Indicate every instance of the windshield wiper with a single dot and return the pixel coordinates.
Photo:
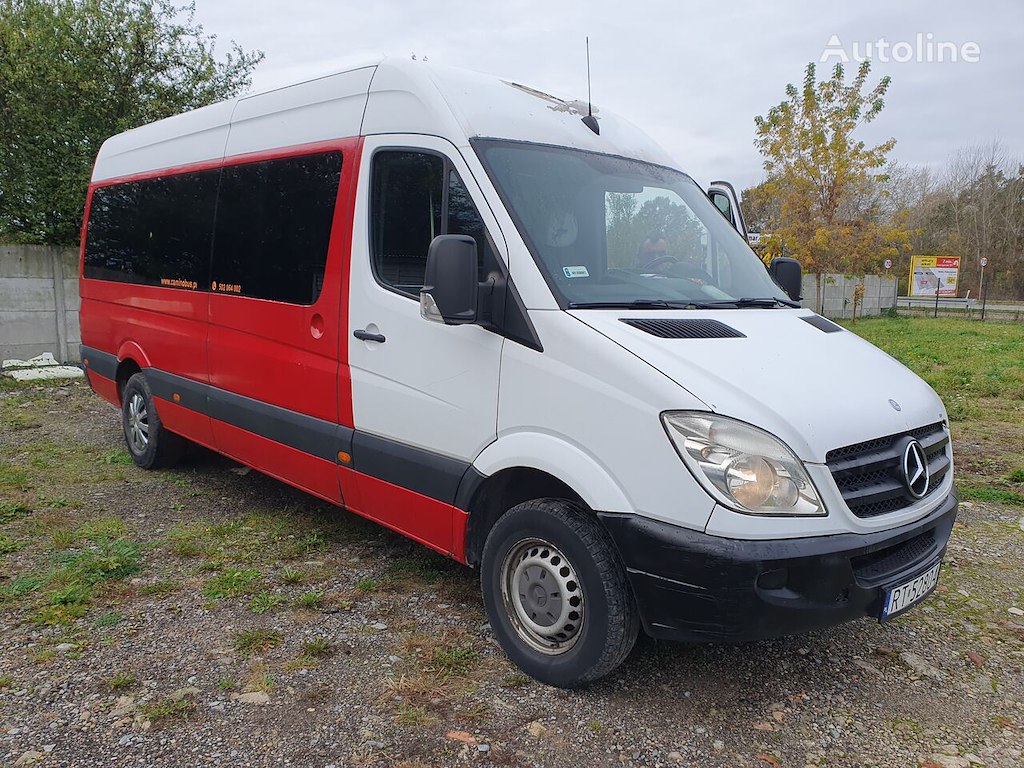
(768, 303)
(639, 303)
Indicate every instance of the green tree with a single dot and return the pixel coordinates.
(72, 73)
(828, 184)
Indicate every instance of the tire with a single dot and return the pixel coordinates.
(151, 446)
(571, 617)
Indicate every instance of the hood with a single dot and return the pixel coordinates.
(813, 384)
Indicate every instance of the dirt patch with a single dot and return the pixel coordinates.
(208, 615)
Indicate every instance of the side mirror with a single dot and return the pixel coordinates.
(788, 274)
(450, 288)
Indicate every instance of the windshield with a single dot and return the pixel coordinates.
(610, 231)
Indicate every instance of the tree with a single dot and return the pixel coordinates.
(72, 73)
(828, 184)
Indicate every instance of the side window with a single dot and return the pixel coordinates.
(153, 232)
(412, 204)
(273, 227)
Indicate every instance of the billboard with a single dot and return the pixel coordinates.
(930, 272)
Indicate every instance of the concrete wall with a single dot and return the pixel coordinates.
(39, 302)
(837, 290)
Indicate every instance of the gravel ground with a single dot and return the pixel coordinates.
(257, 626)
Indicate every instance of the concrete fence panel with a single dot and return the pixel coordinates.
(39, 302)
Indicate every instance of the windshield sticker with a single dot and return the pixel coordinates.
(576, 271)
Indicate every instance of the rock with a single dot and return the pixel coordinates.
(65, 647)
(974, 759)
(254, 697)
(1015, 611)
(48, 748)
(921, 666)
(183, 693)
(380, 626)
(764, 727)
(536, 729)
(675, 757)
(123, 707)
(950, 761)
(976, 659)
(718, 745)
(29, 757)
(868, 667)
(483, 747)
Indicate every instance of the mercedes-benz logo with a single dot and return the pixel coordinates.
(915, 469)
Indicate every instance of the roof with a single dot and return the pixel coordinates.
(389, 96)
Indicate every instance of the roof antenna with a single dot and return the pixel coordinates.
(590, 121)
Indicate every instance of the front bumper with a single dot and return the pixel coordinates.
(692, 586)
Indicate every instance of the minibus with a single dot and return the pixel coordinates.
(506, 325)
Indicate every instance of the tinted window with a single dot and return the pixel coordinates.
(273, 227)
(154, 232)
(412, 204)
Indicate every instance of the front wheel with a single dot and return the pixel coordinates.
(556, 593)
(149, 443)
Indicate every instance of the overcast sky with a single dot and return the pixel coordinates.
(693, 75)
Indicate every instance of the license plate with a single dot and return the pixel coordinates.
(912, 592)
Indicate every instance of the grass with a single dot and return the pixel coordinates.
(977, 370)
(66, 588)
(232, 583)
(120, 681)
(310, 600)
(109, 619)
(318, 648)
(264, 601)
(168, 709)
(250, 642)
(453, 660)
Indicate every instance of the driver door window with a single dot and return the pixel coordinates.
(416, 197)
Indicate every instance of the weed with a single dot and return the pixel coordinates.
(225, 684)
(9, 544)
(168, 709)
(1017, 476)
(231, 583)
(412, 716)
(253, 641)
(163, 587)
(259, 678)
(290, 575)
(6, 681)
(120, 681)
(515, 680)
(318, 648)
(117, 456)
(453, 660)
(109, 619)
(310, 600)
(264, 602)
(366, 585)
(12, 510)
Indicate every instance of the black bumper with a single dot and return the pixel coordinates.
(692, 586)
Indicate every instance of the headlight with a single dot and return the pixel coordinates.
(745, 468)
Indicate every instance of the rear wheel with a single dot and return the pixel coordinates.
(556, 593)
(151, 446)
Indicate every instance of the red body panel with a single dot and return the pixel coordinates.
(291, 356)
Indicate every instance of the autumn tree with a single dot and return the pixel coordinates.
(72, 73)
(827, 182)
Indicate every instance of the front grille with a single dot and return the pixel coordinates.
(869, 474)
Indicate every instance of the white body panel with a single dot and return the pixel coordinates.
(428, 385)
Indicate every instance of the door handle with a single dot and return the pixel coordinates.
(367, 336)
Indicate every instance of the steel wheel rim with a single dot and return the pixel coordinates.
(543, 597)
(138, 423)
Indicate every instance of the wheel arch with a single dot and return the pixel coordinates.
(528, 466)
(130, 360)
